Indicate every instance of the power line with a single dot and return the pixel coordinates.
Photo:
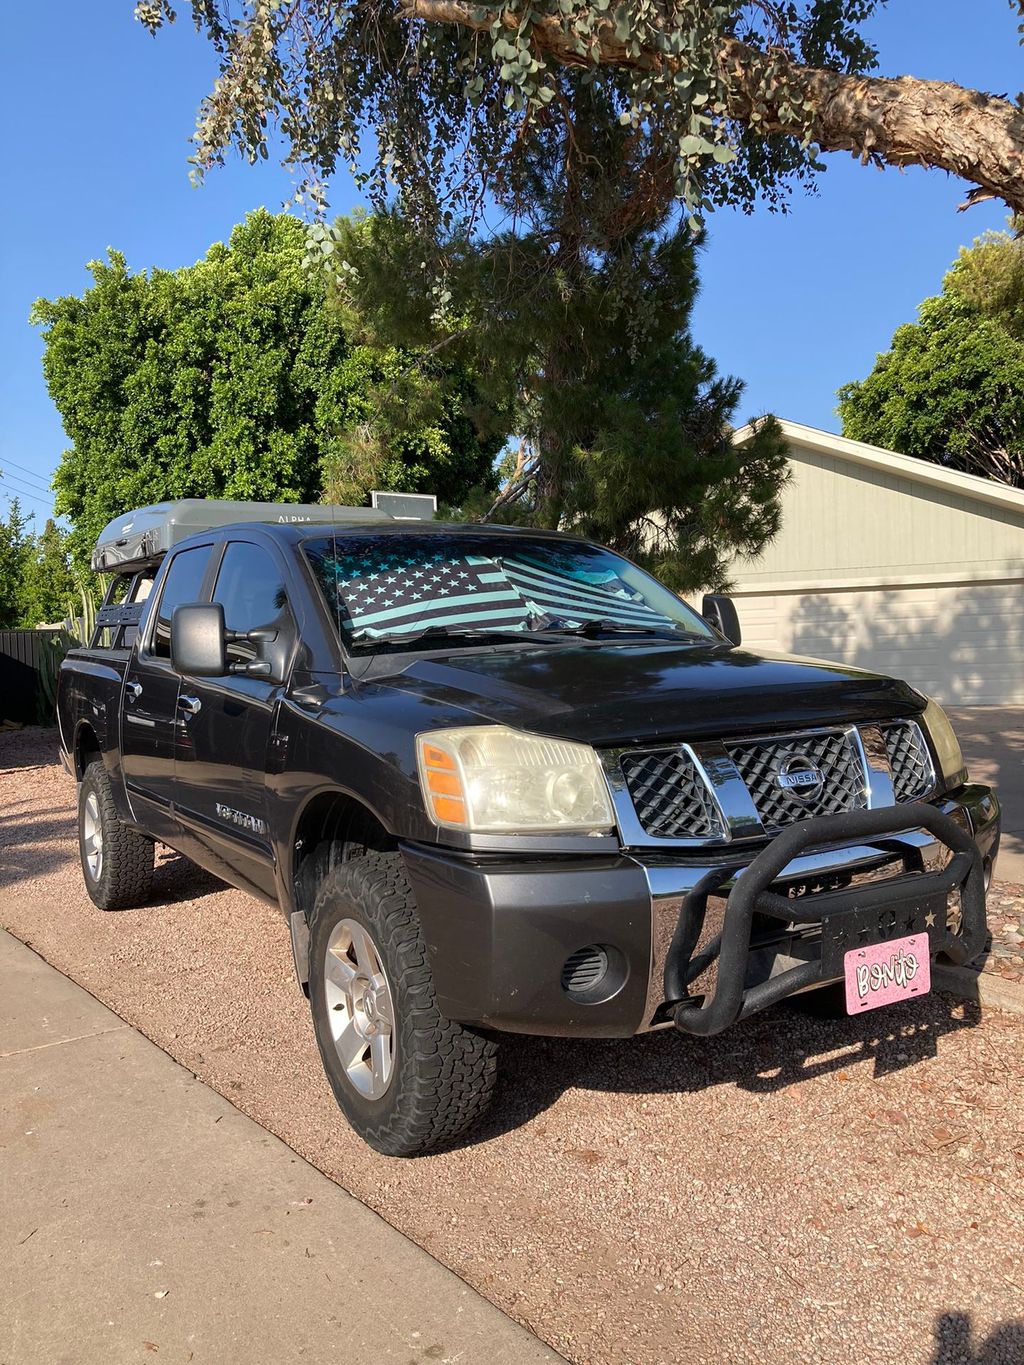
(26, 491)
(29, 494)
(17, 479)
(4, 462)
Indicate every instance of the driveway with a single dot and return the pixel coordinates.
(795, 1190)
(992, 738)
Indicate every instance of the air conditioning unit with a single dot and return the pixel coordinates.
(406, 506)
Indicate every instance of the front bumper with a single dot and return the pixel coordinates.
(700, 941)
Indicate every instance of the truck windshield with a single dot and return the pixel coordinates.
(393, 589)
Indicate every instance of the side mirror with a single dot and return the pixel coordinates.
(198, 641)
(720, 611)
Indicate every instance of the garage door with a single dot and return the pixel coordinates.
(961, 643)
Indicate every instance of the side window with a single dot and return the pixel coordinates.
(250, 588)
(182, 584)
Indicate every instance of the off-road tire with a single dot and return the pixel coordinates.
(126, 867)
(443, 1073)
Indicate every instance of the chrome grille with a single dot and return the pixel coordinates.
(832, 752)
(670, 797)
(911, 763)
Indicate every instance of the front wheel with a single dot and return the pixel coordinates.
(408, 1079)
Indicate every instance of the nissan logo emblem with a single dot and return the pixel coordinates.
(799, 777)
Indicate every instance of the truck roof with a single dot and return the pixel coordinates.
(138, 538)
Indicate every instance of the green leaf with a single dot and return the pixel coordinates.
(692, 145)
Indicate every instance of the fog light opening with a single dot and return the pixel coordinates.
(593, 974)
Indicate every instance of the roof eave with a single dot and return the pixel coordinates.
(889, 461)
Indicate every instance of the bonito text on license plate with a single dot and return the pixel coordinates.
(883, 973)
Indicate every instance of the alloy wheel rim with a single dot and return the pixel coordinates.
(360, 1010)
(92, 836)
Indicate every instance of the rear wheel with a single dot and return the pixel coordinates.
(117, 863)
(407, 1079)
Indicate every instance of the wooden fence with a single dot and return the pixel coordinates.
(24, 656)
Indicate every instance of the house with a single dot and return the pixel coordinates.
(893, 564)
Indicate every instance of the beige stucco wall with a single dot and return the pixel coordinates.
(894, 566)
(849, 525)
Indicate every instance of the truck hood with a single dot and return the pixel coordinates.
(632, 692)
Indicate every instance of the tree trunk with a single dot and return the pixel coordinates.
(894, 122)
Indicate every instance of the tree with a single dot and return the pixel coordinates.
(990, 277)
(36, 582)
(237, 377)
(951, 387)
(48, 586)
(625, 425)
(726, 100)
(15, 544)
(580, 123)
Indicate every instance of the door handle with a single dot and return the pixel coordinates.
(190, 705)
(133, 690)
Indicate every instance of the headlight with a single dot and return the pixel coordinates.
(945, 744)
(488, 777)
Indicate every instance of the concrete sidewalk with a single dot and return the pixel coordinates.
(145, 1219)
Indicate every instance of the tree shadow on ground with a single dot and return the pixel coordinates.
(33, 746)
(955, 1344)
(41, 842)
(34, 844)
(764, 1055)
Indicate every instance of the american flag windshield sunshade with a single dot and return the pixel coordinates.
(391, 591)
(390, 595)
(574, 600)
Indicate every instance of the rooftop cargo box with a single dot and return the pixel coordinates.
(143, 536)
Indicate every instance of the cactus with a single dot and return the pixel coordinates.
(80, 628)
(75, 631)
(54, 646)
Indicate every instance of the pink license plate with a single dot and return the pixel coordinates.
(887, 972)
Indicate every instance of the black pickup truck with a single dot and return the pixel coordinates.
(503, 780)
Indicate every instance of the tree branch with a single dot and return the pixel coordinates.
(517, 485)
(895, 122)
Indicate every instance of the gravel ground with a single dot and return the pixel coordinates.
(1006, 921)
(795, 1191)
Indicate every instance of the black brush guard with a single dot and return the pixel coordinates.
(833, 910)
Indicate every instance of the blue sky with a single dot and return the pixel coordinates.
(98, 119)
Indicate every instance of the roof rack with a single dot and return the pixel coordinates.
(142, 537)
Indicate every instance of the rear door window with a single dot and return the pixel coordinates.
(183, 583)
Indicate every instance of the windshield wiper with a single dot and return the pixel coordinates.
(604, 627)
(474, 633)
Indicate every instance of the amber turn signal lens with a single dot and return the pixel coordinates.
(450, 809)
(443, 785)
(446, 784)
